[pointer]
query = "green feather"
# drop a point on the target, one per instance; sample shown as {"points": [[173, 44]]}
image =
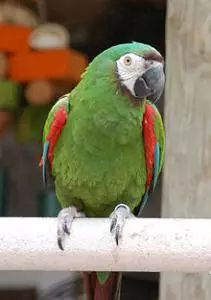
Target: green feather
{"points": [[103, 276], [99, 159], [63, 101], [160, 135]]}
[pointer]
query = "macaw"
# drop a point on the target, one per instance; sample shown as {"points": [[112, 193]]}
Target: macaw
{"points": [[103, 146]]}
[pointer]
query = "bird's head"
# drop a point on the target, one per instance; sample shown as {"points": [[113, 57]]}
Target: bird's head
{"points": [[141, 73], [138, 70]]}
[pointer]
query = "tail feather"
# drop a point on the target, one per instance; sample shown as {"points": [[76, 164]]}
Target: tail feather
{"points": [[109, 290]]}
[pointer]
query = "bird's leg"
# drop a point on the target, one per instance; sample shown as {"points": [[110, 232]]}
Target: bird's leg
{"points": [[118, 216], [65, 219]]}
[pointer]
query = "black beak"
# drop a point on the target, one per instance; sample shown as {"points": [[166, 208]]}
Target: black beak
{"points": [[150, 84]]}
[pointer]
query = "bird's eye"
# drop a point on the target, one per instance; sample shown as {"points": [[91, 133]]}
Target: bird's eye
{"points": [[127, 60]]}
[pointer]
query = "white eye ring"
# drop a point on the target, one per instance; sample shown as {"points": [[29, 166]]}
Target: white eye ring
{"points": [[127, 60]]}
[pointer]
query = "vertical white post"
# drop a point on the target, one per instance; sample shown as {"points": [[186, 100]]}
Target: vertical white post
{"points": [[187, 172]]}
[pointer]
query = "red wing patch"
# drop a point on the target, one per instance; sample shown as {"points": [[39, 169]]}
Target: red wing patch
{"points": [[56, 127], [149, 142]]}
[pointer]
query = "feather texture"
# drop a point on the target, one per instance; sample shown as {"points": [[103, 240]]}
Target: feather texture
{"points": [[56, 121], [108, 150], [149, 141], [153, 134], [44, 161], [156, 164]]}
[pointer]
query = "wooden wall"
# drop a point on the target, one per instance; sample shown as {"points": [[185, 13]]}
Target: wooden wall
{"points": [[187, 171]]}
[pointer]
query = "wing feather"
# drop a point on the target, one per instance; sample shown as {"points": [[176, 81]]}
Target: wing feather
{"points": [[154, 144], [53, 127]]}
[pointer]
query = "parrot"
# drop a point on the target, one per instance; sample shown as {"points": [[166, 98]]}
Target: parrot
{"points": [[103, 147]]}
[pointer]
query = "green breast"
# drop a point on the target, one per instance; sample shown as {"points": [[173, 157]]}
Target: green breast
{"points": [[99, 161]]}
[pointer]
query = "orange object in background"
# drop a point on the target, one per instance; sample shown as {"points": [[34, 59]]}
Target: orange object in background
{"points": [[14, 38], [58, 64]]}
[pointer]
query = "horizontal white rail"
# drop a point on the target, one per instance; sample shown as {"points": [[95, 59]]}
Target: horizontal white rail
{"points": [[147, 245]]}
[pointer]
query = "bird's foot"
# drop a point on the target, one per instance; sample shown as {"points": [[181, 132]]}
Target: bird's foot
{"points": [[118, 217], [65, 219]]}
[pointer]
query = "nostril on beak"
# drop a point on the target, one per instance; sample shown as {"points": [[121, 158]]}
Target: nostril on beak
{"points": [[148, 64]]}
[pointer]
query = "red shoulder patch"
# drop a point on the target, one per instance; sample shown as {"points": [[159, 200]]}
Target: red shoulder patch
{"points": [[149, 141], [56, 127]]}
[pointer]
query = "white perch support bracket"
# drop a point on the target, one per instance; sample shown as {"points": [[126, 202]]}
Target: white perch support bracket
{"points": [[153, 245]]}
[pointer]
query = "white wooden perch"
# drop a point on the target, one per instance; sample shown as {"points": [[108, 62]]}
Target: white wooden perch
{"points": [[147, 245]]}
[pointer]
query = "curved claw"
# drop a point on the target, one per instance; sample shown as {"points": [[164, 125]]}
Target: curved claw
{"points": [[60, 243], [117, 234], [65, 219], [118, 217]]}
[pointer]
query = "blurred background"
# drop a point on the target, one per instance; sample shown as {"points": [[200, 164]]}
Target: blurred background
{"points": [[44, 47]]}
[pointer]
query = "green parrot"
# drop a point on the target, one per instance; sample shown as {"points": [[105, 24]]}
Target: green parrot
{"points": [[103, 146]]}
